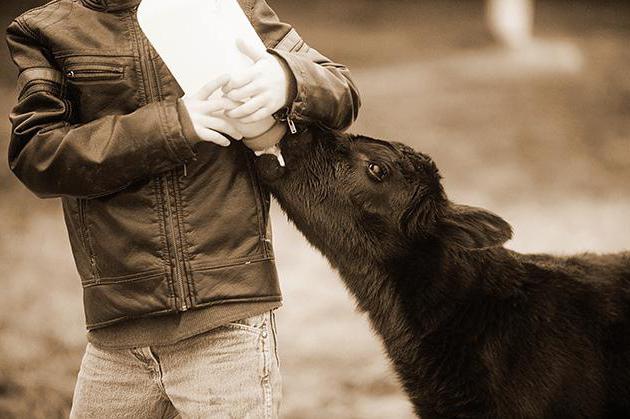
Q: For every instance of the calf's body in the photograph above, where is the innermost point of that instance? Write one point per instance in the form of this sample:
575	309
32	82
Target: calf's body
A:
473	329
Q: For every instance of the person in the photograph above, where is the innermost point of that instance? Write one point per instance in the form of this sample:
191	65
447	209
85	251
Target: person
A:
168	223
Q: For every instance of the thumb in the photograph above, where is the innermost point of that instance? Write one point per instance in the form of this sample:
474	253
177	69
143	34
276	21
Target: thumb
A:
250	51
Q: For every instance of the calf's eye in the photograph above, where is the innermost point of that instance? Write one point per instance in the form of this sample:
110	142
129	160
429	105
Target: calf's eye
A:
377	172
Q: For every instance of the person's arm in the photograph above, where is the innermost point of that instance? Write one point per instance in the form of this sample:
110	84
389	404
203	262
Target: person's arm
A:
320	91
55	157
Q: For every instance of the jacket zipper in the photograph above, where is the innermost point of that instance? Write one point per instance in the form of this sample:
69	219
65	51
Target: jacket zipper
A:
94	72
283	115
291	124
85	236
178	274
144	53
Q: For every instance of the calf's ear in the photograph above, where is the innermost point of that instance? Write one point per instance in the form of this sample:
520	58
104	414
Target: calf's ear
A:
473	228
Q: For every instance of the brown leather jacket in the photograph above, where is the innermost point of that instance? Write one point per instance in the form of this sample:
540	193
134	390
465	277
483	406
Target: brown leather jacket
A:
158	222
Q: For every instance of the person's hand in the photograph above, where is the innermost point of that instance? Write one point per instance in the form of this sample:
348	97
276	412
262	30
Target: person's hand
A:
206	113
253	129
263	87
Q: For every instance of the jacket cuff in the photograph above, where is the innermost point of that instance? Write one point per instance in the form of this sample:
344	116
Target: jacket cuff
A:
187	125
267	139
172	132
298	90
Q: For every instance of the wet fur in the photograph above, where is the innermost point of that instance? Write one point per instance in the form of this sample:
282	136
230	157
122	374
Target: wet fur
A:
474	330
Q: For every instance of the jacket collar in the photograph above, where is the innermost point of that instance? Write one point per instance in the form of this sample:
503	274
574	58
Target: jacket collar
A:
110	5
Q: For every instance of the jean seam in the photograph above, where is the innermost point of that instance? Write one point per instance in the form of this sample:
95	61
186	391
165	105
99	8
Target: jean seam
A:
244	327
274	331
157	372
150	361
266	377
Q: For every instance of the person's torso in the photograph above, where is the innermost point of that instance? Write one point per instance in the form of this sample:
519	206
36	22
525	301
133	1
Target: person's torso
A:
195	236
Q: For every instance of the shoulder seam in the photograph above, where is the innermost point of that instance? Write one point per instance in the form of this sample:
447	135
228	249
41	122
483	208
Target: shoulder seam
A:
21	22
39	8
34	21
36	11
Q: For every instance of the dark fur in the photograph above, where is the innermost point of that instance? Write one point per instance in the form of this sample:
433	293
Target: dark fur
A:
473	329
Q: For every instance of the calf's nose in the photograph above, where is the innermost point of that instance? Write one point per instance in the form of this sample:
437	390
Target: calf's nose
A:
269	169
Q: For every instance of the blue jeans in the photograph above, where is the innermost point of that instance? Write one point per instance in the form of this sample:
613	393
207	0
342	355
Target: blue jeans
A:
229	372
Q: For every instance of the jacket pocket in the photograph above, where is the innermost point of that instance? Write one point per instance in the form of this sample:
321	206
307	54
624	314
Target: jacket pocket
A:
94	72
100	86
86	240
262	203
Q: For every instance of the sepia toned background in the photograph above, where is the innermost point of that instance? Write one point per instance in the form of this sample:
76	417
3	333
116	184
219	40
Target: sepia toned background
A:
535	129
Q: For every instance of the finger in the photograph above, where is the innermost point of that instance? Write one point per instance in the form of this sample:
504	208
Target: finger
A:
248	108
257	116
213	137
213	106
220	125
248	91
230	104
249	50
240	79
206	91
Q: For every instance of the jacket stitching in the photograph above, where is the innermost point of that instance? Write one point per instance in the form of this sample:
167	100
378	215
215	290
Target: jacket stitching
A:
161	125
108	192
85	238
156	74
175	128
291	36
66	98
67	53
134	44
134	41
147	91
234	262
173	147
40	11
114	68
21	22
183	215
36	11
129	36
121	318
158	208
59	18
41	74
263	299
258	200
52	127
264	213
176	187
67	116
259	299
150	273
123	280
37	87
33	13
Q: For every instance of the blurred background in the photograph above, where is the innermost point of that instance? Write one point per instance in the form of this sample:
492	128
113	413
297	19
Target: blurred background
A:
524	105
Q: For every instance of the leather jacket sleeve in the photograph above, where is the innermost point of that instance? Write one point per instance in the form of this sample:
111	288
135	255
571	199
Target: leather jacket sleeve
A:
54	157
325	92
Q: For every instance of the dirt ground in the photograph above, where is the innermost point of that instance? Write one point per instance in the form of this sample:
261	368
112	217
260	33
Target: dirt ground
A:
540	136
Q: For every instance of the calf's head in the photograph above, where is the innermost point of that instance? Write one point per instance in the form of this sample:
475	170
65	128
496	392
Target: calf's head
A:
355	197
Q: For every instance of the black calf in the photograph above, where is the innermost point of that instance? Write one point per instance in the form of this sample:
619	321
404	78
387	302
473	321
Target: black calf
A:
473	329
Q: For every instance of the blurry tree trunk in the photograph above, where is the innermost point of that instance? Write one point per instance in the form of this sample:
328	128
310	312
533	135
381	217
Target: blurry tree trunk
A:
511	21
